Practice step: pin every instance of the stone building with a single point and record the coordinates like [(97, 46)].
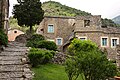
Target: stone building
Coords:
[(4, 14), (57, 29), (62, 29), (90, 28), (13, 33)]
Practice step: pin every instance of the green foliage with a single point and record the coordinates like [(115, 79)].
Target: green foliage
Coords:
[(28, 13), (118, 73), (50, 72), (14, 25), (88, 60), (33, 41), (3, 38), (53, 8), (38, 41), (81, 46), (71, 69), (36, 37), (39, 56), (109, 22), (50, 45)]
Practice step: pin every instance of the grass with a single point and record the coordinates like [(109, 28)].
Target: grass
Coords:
[(50, 72)]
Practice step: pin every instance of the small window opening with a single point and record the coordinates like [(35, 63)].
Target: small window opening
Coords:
[(15, 31), (86, 23)]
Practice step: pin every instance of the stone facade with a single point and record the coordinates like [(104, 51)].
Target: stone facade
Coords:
[(81, 27), (63, 27), (95, 33), (4, 14)]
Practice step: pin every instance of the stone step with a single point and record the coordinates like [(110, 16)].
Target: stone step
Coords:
[(11, 62), (10, 58), (15, 50), (7, 53), (14, 62), (13, 79), (11, 68), (16, 44), (8, 68), (11, 75), (17, 47)]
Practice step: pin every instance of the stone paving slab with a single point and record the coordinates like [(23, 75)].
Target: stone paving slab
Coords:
[(10, 58), (10, 75), (12, 53), (8, 68), (13, 79), (10, 62), (15, 50)]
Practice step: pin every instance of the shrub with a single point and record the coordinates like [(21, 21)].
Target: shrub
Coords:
[(34, 39), (50, 45), (3, 38), (39, 56)]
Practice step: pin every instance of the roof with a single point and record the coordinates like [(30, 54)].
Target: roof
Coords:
[(111, 30), (65, 17)]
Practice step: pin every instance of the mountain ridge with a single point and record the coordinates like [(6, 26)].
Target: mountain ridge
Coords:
[(53, 8), (116, 19)]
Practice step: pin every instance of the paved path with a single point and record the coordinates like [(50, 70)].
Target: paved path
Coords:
[(14, 63)]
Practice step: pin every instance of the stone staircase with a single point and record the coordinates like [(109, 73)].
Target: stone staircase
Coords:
[(14, 62)]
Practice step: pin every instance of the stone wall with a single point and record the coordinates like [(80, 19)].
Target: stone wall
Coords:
[(96, 37), (95, 32), (63, 27)]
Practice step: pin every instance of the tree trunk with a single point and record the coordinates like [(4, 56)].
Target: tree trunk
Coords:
[(30, 29)]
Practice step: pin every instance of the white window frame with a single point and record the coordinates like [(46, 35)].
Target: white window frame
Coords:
[(57, 41), (48, 28), (117, 41), (82, 37), (107, 41)]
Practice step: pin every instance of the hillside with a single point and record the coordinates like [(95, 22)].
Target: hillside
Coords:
[(52, 8), (117, 19)]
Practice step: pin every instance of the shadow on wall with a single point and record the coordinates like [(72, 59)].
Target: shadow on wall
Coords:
[(12, 34)]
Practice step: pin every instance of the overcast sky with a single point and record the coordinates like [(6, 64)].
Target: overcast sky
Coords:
[(107, 8)]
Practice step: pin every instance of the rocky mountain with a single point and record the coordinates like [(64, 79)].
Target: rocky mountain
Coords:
[(117, 19)]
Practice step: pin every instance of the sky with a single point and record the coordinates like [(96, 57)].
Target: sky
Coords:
[(106, 8)]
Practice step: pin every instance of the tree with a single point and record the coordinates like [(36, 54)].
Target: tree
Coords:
[(88, 60), (108, 22), (28, 12)]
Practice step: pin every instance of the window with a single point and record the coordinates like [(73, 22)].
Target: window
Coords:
[(104, 41), (86, 23), (59, 41), (83, 38), (50, 29), (15, 31), (114, 42)]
